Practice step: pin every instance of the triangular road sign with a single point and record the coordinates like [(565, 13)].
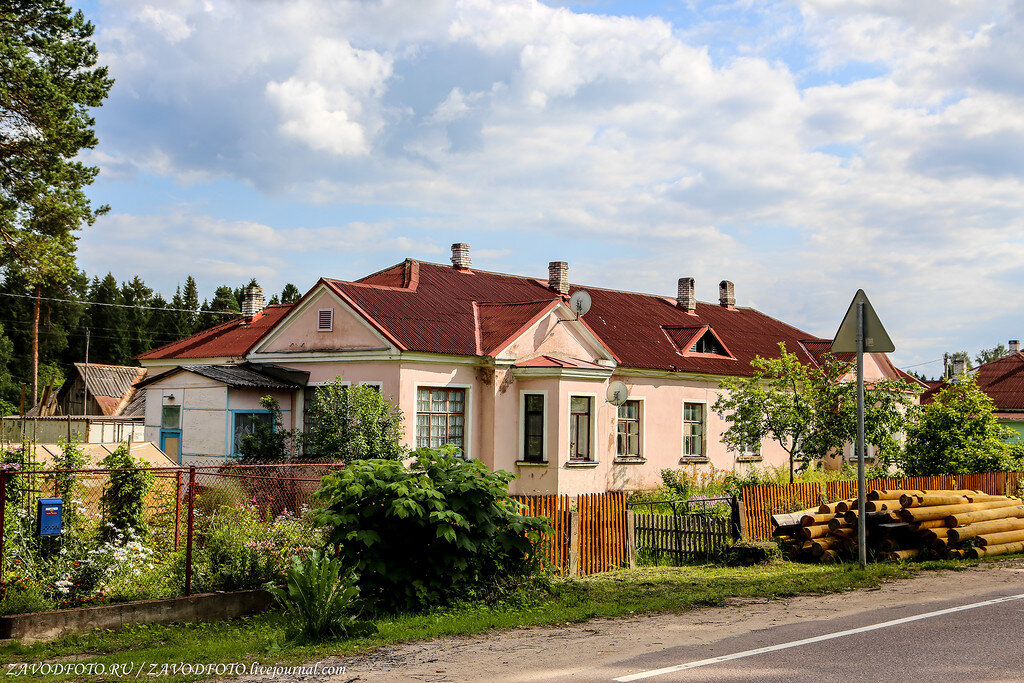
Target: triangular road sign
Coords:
[(876, 339)]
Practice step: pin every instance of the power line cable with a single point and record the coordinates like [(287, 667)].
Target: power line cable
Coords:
[(99, 303), (917, 365)]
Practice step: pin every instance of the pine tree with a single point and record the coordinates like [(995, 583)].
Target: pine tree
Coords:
[(224, 301), (190, 301), (138, 319), (108, 323), (290, 294), (49, 81)]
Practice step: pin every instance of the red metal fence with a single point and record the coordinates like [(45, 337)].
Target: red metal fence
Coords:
[(761, 502)]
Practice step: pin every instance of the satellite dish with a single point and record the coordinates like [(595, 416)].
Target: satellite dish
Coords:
[(579, 303), (617, 393)]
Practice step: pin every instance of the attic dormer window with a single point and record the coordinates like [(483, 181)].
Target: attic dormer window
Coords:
[(708, 343), (325, 320)]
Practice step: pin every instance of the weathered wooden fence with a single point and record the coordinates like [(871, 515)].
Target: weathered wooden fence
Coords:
[(591, 531), (682, 537), (761, 502)]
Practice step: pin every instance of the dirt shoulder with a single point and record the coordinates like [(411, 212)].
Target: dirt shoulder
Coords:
[(571, 651)]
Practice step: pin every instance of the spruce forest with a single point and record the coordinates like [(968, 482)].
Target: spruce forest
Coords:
[(140, 320)]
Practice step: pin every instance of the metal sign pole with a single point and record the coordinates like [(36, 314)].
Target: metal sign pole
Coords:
[(862, 547)]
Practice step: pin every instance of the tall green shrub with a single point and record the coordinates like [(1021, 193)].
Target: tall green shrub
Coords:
[(124, 498), (353, 423), (269, 441), (68, 482), (439, 530), (958, 433)]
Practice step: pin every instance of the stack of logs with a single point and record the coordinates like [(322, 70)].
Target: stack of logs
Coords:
[(906, 524)]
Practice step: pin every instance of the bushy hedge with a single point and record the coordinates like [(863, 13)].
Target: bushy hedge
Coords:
[(442, 529)]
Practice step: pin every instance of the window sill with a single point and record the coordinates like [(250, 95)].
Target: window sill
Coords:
[(532, 463), (749, 458), (585, 464), (630, 460), (694, 461)]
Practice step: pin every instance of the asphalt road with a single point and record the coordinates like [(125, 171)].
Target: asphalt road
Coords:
[(984, 643)]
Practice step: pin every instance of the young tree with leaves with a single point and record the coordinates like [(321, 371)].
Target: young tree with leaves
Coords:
[(353, 423), (810, 411), (958, 433), (269, 441), (988, 355)]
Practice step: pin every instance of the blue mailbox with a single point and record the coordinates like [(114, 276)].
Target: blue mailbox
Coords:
[(51, 512)]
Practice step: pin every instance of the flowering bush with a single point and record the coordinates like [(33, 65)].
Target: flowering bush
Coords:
[(240, 550)]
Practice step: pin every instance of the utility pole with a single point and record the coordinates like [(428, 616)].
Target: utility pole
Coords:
[(35, 347)]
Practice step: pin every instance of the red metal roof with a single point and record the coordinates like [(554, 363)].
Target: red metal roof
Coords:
[(439, 309), (233, 338), (501, 324), (438, 316), (1001, 379)]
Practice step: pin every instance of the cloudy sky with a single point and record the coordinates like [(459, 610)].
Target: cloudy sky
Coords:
[(801, 149)]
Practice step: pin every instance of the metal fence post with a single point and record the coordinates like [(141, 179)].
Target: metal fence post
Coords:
[(3, 518), (574, 543), (736, 526), (631, 538), (177, 507), (188, 547)]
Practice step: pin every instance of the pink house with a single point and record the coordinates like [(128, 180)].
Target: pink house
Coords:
[(495, 363)]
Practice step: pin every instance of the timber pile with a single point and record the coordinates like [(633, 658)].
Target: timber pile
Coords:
[(906, 524)]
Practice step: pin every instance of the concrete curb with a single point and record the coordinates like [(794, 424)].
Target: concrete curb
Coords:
[(204, 607)]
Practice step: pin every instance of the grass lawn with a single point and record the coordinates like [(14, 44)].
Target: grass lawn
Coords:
[(261, 638)]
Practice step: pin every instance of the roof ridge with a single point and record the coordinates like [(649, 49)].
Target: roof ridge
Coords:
[(516, 303), (664, 297)]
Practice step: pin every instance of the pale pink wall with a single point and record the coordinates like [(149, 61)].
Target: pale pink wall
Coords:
[(549, 337), (301, 334), (467, 377), (508, 435)]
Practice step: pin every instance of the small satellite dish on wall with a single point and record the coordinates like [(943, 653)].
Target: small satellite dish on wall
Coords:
[(579, 303), (618, 393)]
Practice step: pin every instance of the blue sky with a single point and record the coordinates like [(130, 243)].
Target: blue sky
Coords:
[(801, 149)]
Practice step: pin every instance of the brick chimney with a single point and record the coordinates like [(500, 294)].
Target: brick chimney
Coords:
[(1015, 346), (253, 302), (726, 294), (460, 256), (686, 297), (558, 277), (959, 366)]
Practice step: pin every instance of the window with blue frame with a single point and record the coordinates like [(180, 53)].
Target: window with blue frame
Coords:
[(244, 423)]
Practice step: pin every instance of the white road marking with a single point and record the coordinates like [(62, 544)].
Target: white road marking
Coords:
[(807, 641)]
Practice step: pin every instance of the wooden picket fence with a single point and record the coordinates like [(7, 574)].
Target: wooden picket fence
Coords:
[(591, 531), (761, 502), (682, 537)]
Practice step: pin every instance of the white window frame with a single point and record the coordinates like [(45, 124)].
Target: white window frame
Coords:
[(467, 428), (593, 427), (522, 426), (319, 319), (379, 385), (642, 419), (751, 454), (703, 457)]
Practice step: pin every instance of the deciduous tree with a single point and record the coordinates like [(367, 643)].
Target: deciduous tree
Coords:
[(810, 410), (958, 433)]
